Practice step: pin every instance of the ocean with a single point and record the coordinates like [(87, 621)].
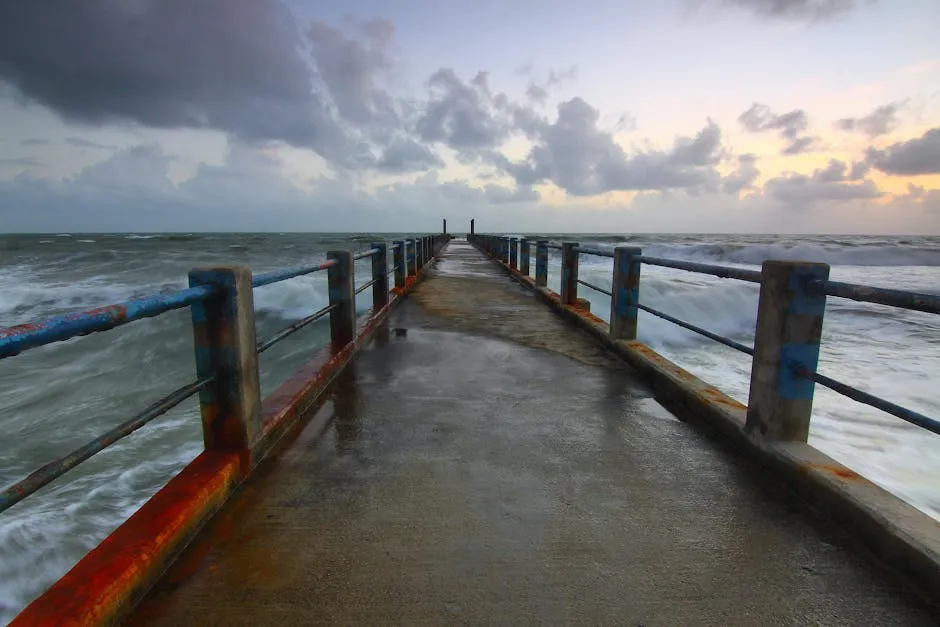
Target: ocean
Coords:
[(55, 398)]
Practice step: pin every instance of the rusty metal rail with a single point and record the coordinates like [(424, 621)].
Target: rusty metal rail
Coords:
[(596, 288), (56, 468), (14, 340), (691, 327), (365, 286), (214, 348), (914, 301)]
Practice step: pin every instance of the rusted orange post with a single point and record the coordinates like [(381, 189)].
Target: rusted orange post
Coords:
[(225, 341)]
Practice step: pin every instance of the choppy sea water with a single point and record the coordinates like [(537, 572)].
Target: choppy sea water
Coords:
[(55, 398)]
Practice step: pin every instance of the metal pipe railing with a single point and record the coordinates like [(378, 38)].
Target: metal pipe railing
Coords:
[(788, 331), (222, 311)]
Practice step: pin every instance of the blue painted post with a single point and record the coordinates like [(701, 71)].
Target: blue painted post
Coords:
[(380, 276), (569, 273), (225, 340), (419, 254), (513, 253), (789, 327), (342, 284), (524, 264), (504, 249), (541, 263), (398, 258), (625, 288)]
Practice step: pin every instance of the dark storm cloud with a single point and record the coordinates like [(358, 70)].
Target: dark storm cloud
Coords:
[(463, 115), (576, 155), (759, 118), (835, 182), (406, 155), (881, 121), (909, 158), (231, 65), (797, 10)]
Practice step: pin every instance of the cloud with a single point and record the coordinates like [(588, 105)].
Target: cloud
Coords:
[(406, 155), (831, 183), (577, 156), (464, 116), (881, 121), (229, 65), (35, 142), (916, 156), (78, 142), (20, 162), (759, 118), (797, 10), (744, 177)]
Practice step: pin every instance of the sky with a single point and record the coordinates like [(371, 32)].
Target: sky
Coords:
[(668, 116)]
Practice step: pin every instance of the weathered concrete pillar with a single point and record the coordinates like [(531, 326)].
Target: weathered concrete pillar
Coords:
[(411, 261), (625, 287), (569, 272), (513, 253), (504, 243), (419, 253), (789, 326), (472, 232), (380, 276), (225, 341), (444, 232), (541, 263), (524, 256), (342, 285), (399, 257)]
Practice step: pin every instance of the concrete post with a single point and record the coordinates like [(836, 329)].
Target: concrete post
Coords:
[(472, 232), (789, 326), (419, 254), (410, 257), (513, 253), (444, 232), (524, 256), (225, 341), (401, 270), (342, 285), (380, 276), (541, 263), (504, 242), (569, 273), (625, 287)]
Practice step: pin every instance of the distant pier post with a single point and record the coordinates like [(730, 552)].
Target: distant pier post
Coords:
[(380, 276), (419, 254), (225, 341), (513, 253), (444, 232), (504, 241), (342, 286), (789, 327), (524, 256), (399, 259), (626, 293), (410, 257), (541, 263), (569, 273), (472, 232)]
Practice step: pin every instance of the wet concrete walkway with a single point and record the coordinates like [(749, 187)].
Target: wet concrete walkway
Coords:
[(493, 466)]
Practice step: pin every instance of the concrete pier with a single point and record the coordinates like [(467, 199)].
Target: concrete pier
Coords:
[(487, 463)]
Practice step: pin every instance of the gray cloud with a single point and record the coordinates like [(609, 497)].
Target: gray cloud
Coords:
[(406, 155), (759, 118), (797, 10), (744, 177), (582, 159), (881, 121), (35, 142), (916, 156), (831, 183), (20, 162), (230, 65), (78, 142), (464, 116)]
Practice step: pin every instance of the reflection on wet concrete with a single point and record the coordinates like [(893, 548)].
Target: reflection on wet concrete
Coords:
[(470, 474)]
